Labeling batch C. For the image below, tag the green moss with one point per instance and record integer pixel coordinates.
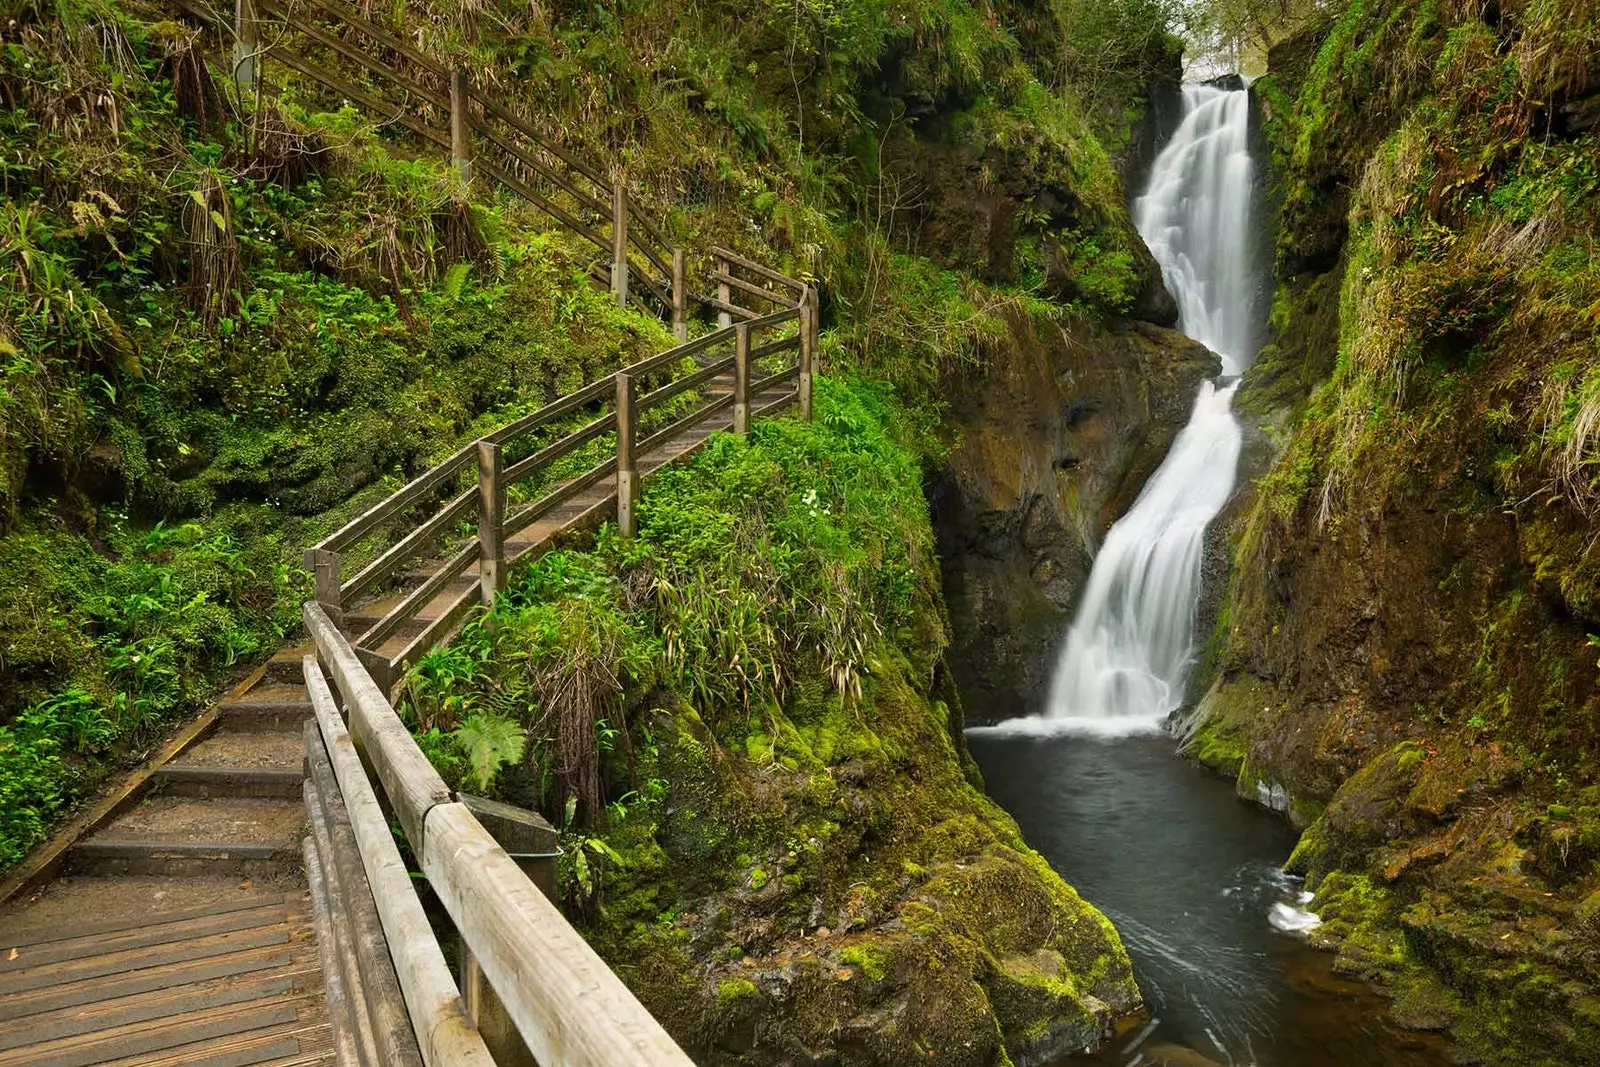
(733, 990)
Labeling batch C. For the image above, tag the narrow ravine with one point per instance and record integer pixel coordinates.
(1190, 875)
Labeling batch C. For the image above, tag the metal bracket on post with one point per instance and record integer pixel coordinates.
(619, 242)
(627, 473)
(460, 128)
(680, 297)
(491, 513)
(741, 378)
(246, 65)
(724, 294)
(324, 568)
(808, 312)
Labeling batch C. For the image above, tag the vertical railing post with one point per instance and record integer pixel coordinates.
(680, 297)
(491, 513)
(619, 242)
(460, 129)
(627, 472)
(741, 378)
(324, 568)
(808, 312)
(724, 294)
(245, 44)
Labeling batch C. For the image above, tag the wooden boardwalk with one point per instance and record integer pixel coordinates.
(224, 984)
(178, 928)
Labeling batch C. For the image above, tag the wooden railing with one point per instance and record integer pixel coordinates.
(424, 514)
(436, 102)
(565, 1006)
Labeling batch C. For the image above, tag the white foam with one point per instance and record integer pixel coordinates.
(1075, 725)
(1293, 920)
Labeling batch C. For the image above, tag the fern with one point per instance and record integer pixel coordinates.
(489, 743)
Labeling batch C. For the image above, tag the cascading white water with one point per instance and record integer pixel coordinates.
(1130, 648)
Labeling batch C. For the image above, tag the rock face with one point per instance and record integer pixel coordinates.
(1057, 432)
(1404, 662)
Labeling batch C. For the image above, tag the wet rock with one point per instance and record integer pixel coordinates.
(1058, 431)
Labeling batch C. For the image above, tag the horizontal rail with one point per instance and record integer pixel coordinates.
(756, 268)
(761, 385)
(435, 631)
(414, 601)
(732, 309)
(494, 108)
(408, 546)
(556, 449)
(387, 110)
(649, 283)
(570, 1009)
(519, 520)
(446, 1035)
(560, 214)
(700, 344)
(753, 289)
(589, 201)
(410, 493)
(687, 382)
(683, 425)
(343, 13)
(357, 56)
(783, 344)
(600, 388)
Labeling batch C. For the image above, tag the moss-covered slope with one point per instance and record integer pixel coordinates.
(1407, 652)
(796, 864)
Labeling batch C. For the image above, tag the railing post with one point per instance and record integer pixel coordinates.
(680, 297)
(627, 472)
(245, 43)
(741, 378)
(619, 242)
(460, 130)
(491, 513)
(808, 313)
(724, 294)
(324, 567)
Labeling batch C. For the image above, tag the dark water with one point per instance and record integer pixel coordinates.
(1188, 873)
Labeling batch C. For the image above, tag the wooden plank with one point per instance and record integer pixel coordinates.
(519, 519)
(409, 780)
(598, 389)
(97, 988)
(556, 449)
(652, 287)
(568, 1005)
(178, 915)
(157, 1034)
(335, 955)
(98, 943)
(689, 348)
(52, 974)
(754, 290)
(382, 1022)
(732, 309)
(385, 110)
(409, 546)
(414, 601)
(756, 268)
(763, 384)
(444, 1032)
(436, 630)
(108, 1014)
(683, 425)
(491, 510)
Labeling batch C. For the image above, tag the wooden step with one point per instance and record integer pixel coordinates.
(278, 708)
(278, 751)
(187, 780)
(188, 837)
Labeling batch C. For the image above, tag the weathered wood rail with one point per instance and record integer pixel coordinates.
(531, 986)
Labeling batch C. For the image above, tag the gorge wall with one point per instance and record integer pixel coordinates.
(1405, 660)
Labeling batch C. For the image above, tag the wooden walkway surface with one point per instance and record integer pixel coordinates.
(178, 929)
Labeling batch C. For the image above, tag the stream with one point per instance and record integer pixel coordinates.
(1189, 874)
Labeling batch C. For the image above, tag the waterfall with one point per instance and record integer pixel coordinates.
(1131, 645)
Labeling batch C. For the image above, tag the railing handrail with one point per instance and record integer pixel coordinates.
(568, 1006)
